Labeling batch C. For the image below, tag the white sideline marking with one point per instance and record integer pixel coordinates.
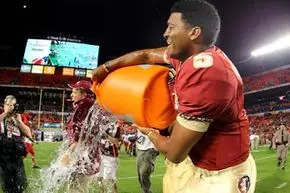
(265, 158)
(281, 185)
(132, 177)
(258, 150)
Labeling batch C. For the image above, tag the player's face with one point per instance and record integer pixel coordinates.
(77, 95)
(282, 127)
(178, 39)
(9, 105)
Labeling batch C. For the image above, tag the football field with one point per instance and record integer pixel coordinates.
(270, 179)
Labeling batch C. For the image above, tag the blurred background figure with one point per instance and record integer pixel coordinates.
(107, 177)
(281, 143)
(12, 148)
(146, 157)
(255, 140)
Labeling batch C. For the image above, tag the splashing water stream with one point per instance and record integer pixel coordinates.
(65, 175)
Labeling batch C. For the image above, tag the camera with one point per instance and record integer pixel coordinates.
(18, 109)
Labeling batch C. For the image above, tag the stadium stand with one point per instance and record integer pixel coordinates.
(24, 86)
(13, 76)
(268, 106)
(270, 79)
(265, 124)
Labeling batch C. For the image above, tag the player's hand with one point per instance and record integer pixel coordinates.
(18, 117)
(99, 74)
(65, 160)
(144, 130)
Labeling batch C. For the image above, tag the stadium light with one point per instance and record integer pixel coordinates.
(280, 44)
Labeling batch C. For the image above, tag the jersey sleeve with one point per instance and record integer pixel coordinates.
(203, 95)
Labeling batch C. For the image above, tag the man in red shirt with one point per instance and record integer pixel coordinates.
(208, 149)
(27, 142)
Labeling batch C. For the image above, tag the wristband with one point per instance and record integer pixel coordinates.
(150, 132)
(106, 68)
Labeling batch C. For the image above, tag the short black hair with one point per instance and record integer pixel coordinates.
(200, 13)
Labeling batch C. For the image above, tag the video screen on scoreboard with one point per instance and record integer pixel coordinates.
(89, 74)
(80, 72)
(68, 71)
(61, 53)
(49, 70)
(36, 69)
(25, 68)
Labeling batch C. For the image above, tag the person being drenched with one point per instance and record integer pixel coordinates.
(86, 128)
(208, 148)
(83, 99)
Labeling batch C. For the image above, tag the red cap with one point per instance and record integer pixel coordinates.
(82, 84)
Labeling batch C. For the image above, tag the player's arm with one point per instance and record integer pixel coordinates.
(113, 140)
(24, 128)
(288, 139)
(3, 115)
(182, 139)
(133, 58)
(138, 57)
(275, 138)
(199, 105)
(72, 146)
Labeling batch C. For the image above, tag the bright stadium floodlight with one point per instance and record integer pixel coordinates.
(280, 44)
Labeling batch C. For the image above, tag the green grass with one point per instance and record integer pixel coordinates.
(269, 176)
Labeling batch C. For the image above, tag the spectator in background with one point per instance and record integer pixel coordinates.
(28, 142)
(30, 150)
(107, 176)
(281, 141)
(146, 156)
(254, 139)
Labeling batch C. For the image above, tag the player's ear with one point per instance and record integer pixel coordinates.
(195, 32)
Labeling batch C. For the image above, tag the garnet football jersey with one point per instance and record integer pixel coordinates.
(209, 92)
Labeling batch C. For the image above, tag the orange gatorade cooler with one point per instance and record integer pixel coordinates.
(138, 94)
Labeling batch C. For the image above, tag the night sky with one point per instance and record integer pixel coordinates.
(123, 26)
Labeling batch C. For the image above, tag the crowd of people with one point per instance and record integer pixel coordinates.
(277, 104)
(267, 79)
(12, 76)
(265, 125)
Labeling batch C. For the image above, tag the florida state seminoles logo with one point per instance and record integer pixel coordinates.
(244, 184)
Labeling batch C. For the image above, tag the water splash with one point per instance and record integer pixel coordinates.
(70, 172)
